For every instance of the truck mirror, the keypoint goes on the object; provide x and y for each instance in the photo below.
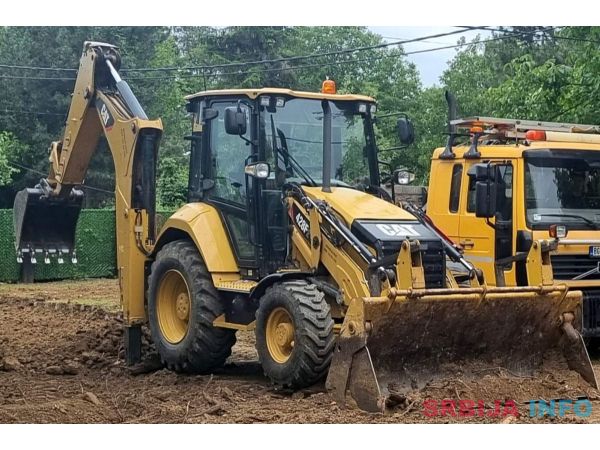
(235, 120)
(406, 131)
(485, 199)
(485, 189)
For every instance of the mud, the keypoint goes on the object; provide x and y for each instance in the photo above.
(61, 361)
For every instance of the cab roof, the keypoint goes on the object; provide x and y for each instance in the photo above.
(511, 150)
(253, 93)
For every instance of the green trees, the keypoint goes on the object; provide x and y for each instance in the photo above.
(34, 103)
(527, 72)
(8, 147)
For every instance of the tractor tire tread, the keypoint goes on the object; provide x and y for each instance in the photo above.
(209, 347)
(314, 328)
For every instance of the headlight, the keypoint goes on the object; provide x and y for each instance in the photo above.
(258, 170)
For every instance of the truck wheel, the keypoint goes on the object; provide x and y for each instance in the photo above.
(182, 304)
(294, 334)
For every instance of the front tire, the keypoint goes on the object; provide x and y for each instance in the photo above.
(182, 305)
(294, 334)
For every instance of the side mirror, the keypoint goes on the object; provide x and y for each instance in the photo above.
(486, 189)
(258, 170)
(406, 131)
(235, 120)
(403, 177)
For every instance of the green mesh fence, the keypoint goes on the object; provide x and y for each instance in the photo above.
(95, 245)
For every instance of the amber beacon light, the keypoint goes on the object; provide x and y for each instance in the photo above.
(328, 87)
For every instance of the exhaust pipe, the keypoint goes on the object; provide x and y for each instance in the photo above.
(448, 153)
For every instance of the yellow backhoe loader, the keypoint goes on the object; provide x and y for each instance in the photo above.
(284, 236)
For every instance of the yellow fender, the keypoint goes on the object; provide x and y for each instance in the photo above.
(203, 225)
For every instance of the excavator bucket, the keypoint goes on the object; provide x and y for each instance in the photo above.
(45, 226)
(397, 344)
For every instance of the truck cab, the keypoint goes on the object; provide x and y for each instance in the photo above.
(514, 182)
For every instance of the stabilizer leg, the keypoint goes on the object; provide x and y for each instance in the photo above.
(133, 344)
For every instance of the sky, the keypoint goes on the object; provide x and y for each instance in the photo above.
(431, 64)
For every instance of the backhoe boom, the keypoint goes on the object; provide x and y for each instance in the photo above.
(46, 216)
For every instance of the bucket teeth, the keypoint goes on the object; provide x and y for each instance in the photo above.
(45, 225)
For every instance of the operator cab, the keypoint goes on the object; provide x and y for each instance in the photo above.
(247, 144)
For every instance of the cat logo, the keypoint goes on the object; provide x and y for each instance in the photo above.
(395, 229)
(105, 116)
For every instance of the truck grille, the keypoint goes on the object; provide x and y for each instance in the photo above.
(434, 265)
(591, 313)
(566, 267)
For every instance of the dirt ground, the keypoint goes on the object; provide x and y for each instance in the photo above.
(61, 361)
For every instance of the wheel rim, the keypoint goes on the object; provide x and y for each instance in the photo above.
(280, 335)
(173, 306)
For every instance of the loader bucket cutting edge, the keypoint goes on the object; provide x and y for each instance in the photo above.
(43, 224)
(419, 340)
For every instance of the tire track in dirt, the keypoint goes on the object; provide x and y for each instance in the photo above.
(63, 363)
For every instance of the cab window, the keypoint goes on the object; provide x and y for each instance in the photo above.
(455, 187)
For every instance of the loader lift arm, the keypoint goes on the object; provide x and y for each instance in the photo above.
(45, 217)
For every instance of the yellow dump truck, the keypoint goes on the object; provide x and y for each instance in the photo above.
(513, 182)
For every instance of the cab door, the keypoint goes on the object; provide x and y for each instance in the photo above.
(228, 156)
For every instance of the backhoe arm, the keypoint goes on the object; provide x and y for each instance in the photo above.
(45, 217)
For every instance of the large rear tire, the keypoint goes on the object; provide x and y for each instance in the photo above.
(294, 334)
(182, 305)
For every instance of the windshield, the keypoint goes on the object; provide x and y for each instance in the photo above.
(563, 187)
(294, 141)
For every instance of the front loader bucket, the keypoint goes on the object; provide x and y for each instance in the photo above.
(399, 344)
(45, 225)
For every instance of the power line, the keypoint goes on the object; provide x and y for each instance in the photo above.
(32, 170)
(298, 58)
(262, 61)
(536, 33)
(57, 69)
(325, 64)
(19, 77)
(425, 41)
(24, 111)
(281, 69)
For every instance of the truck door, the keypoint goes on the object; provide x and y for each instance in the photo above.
(484, 244)
(443, 204)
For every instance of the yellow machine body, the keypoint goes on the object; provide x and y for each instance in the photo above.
(343, 284)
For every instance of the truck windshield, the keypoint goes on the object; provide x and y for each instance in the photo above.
(293, 141)
(563, 187)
